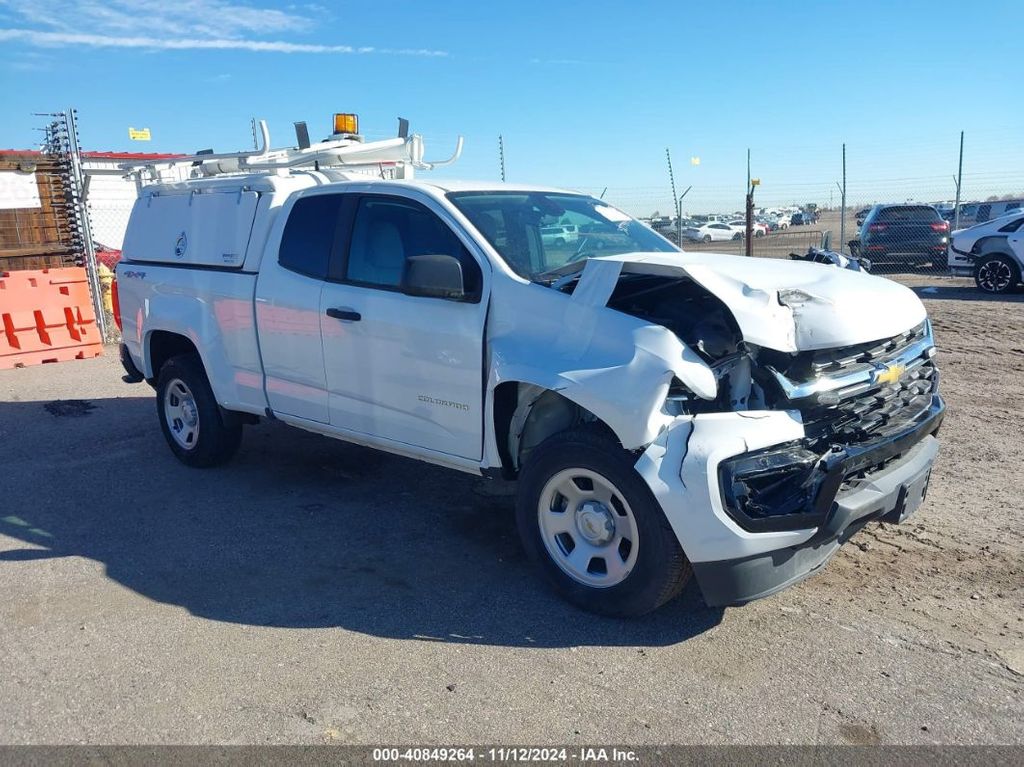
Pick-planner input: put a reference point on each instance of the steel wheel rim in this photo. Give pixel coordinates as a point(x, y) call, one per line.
point(588, 528)
point(182, 414)
point(995, 276)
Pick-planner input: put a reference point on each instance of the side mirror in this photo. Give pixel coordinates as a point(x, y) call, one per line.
point(433, 276)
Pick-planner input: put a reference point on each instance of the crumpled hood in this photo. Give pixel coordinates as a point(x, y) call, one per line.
point(779, 304)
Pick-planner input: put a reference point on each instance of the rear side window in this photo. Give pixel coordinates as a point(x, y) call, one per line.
point(1013, 226)
point(309, 235)
point(908, 214)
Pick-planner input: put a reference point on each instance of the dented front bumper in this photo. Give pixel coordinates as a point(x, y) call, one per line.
point(701, 468)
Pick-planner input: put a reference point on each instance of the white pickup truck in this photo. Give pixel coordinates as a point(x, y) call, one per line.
point(665, 414)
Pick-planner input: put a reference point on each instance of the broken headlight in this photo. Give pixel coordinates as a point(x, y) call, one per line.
point(773, 489)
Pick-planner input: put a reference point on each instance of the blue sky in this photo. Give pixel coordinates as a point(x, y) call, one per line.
point(586, 94)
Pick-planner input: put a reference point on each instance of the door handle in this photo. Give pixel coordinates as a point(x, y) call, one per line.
point(344, 314)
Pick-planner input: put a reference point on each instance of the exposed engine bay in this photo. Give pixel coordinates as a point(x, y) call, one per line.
point(706, 325)
point(892, 379)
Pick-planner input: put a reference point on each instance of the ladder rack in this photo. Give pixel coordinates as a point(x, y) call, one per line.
point(346, 151)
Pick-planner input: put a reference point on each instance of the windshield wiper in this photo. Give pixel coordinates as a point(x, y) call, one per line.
point(571, 269)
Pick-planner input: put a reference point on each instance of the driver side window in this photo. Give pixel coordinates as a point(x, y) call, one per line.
point(388, 230)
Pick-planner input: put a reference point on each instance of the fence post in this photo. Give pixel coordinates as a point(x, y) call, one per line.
point(959, 180)
point(842, 203)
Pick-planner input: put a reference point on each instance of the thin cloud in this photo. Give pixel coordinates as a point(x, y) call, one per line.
point(64, 39)
point(183, 25)
point(181, 18)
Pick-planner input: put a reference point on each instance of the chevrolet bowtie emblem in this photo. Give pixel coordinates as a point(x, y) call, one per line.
point(889, 374)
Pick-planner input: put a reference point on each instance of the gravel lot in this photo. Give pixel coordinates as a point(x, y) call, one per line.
point(313, 591)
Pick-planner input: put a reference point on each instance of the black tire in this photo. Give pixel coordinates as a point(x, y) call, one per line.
point(996, 274)
point(737, 236)
point(707, 238)
point(218, 437)
point(660, 569)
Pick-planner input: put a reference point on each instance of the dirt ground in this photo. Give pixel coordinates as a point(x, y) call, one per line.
point(957, 571)
point(314, 592)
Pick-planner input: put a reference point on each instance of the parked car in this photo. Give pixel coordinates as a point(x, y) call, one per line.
point(759, 229)
point(803, 218)
point(904, 234)
point(713, 231)
point(665, 415)
point(991, 252)
point(663, 225)
point(980, 212)
point(557, 235)
point(783, 220)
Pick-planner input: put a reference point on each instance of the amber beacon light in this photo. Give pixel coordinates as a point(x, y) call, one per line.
point(345, 122)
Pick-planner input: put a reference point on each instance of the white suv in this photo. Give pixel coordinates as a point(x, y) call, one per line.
point(992, 253)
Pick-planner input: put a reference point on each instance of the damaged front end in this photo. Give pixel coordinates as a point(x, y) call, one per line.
point(857, 405)
point(861, 407)
point(795, 450)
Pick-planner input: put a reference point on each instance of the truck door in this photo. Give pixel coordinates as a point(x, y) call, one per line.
point(403, 368)
point(288, 294)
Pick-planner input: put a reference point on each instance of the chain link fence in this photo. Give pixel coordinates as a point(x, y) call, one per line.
point(907, 236)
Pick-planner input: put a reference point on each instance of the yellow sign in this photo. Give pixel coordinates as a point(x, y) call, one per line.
point(694, 161)
point(755, 182)
point(142, 134)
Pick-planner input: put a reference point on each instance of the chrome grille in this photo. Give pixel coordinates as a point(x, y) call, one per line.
point(858, 393)
point(850, 358)
point(875, 411)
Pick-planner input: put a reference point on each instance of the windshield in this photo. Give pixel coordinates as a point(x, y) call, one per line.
point(538, 232)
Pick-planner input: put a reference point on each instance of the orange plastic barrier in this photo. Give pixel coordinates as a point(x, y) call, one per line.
point(46, 316)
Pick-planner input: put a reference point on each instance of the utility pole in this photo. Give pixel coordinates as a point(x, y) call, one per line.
point(677, 202)
point(959, 179)
point(501, 156)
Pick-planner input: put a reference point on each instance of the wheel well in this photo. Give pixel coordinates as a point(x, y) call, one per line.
point(992, 245)
point(525, 415)
point(163, 345)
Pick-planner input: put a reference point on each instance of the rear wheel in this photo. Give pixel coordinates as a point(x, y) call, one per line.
point(195, 428)
point(596, 528)
point(996, 273)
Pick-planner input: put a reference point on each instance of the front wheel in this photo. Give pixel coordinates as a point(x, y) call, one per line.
point(707, 238)
point(196, 430)
point(996, 274)
point(600, 535)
